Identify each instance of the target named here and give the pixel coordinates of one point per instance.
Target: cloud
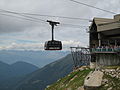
(38, 46)
(32, 46)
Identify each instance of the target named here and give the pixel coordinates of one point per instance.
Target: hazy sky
(16, 33)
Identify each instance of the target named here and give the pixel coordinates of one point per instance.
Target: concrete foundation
(92, 65)
(107, 59)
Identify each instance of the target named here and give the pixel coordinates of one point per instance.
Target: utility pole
(53, 24)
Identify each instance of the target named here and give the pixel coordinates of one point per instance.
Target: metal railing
(105, 50)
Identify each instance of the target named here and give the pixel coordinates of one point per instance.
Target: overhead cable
(19, 17)
(58, 16)
(31, 14)
(36, 20)
(20, 14)
(92, 6)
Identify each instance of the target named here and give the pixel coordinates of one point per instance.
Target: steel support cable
(27, 15)
(59, 16)
(20, 17)
(30, 14)
(36, 19)
(20, 14)
(92, 6)
(64, 24)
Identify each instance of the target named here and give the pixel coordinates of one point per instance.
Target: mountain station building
(105, 41)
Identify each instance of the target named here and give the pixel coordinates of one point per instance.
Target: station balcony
(106, 56)
(105, 50)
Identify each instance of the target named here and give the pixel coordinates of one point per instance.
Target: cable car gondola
(53, 44)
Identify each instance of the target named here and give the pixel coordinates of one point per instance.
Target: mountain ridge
(39, 79)
(15, 70)
(38, 58)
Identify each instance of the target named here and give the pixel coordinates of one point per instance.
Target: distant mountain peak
(23, 63)
(19, 68)
(3, 63)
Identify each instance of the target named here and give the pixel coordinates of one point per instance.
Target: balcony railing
(105, 50)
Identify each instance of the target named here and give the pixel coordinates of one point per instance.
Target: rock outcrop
(93, 80)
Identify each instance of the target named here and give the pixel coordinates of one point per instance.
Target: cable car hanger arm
(52, 23)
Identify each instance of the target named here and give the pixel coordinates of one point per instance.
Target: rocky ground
(111, 79)
(113, 72)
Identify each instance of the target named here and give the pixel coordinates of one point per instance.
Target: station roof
(107, 26)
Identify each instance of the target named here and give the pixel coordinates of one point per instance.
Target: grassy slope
(74, 80)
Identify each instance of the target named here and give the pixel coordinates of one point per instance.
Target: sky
(21, 34)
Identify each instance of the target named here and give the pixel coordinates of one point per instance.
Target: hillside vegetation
(75, 81)
(72, 81)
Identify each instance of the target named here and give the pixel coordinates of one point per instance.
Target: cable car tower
(53, 44)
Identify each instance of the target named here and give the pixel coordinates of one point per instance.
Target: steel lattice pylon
(81, 56)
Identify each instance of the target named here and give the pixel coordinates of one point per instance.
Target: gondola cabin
(53, 45)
